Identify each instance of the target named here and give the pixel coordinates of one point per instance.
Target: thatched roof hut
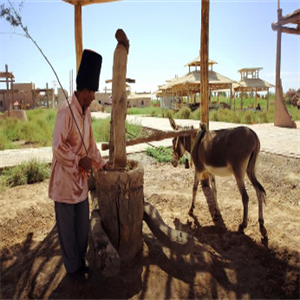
(250, 82)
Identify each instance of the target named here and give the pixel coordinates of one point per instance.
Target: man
(74, 155)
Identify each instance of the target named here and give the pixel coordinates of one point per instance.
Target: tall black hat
(89, 71)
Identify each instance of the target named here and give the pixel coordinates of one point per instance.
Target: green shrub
(167, 113)
(195, 115)
(247, 117)
(101, 129)
(25, 173)
(162, 154)
(183, 113)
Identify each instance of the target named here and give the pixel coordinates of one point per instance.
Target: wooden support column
(230, 96)
(78, 33)
(204, 51)
(47, 95)
(268, 99)
(242, 99)
(281, 116)
(7, 90)
(255, 98)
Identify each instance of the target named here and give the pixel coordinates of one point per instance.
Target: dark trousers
(73, 229)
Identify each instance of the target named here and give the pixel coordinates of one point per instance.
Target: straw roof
(86, 2)
(190, 83)
(197, 62)
(248, 85)
(8, 75)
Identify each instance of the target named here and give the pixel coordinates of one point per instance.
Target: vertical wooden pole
(7, 90)
(204, 50)
(268, 99)
(255, 98)
(47, 95)
(119, 99)
(241, 99)
(78, 33)
(230, 96)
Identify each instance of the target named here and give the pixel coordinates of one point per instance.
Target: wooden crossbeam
(158, 136)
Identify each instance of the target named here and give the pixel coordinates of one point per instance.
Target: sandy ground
(223, 264)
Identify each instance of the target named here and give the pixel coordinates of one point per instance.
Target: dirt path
(223, 265)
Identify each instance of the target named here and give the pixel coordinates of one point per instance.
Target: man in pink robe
(74, 155)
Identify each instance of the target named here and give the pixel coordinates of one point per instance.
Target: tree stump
(121, 204)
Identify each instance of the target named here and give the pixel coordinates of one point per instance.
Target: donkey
(222, 153)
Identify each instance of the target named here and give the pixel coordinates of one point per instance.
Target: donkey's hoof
(241, 228)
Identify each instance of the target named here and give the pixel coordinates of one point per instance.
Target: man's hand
(85, 163)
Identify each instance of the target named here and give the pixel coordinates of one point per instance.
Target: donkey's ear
(172, 123)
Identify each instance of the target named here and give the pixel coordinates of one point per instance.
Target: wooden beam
(284, 29)
(78, 33)
(156, 137)
(204, 62)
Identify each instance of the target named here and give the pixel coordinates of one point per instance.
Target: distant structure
(189, 85)
(250, 82)
(6, 95)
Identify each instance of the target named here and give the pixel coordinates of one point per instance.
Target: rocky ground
(223, 264)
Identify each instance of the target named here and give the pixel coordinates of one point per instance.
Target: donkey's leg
(261, 195)
(195, 188)
(217, 213)
(239, 176)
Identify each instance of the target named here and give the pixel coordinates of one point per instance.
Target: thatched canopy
(251, 82)
(250, 85)
(190, 84)
(87, 2)
(197, 62)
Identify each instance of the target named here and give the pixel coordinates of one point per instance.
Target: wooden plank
(156, 137)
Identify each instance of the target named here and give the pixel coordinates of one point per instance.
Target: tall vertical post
(119, 101)
(204, 50)
(7, 90)
(78, 33)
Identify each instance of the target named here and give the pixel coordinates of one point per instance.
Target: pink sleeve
(61, 149)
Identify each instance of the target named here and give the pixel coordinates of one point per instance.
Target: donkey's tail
(251, 169)
(195, 146)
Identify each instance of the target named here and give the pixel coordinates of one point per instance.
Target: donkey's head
(181, 144)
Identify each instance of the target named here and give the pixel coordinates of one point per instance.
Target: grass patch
(38, 129)
(150, 111)
(25, 173)
(101, 130)
(162, 154)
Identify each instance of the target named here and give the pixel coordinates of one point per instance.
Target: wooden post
(78, 33)
(204, 88)
(268, 99)
(241, 99)
(230, 96)
(204, 51)
(7, 90)
(281, 116)
(47, 94)
(255, 98)
(119, 99)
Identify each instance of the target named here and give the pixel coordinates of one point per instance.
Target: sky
(164, 36)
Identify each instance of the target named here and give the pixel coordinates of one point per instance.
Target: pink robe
(67, 182)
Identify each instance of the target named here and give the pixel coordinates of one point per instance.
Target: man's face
(88, 97)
